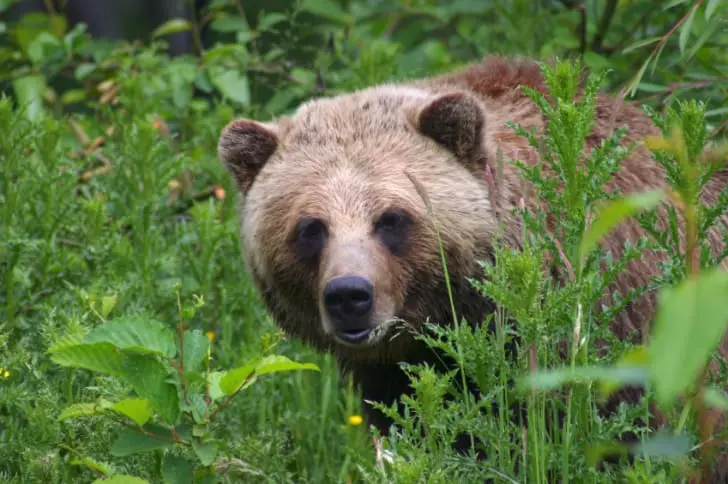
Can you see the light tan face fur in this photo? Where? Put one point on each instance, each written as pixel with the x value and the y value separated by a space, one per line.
pixel 348 163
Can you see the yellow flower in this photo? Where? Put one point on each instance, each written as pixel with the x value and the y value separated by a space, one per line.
pixel 355 420
pixel 211 336
pixel 6 374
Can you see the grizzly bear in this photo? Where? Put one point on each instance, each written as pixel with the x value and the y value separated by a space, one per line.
pixel 336 233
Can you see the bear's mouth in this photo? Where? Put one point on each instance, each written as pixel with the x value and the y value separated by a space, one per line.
pixel 354 337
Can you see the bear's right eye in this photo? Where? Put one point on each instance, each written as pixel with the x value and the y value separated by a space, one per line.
pixel 311 236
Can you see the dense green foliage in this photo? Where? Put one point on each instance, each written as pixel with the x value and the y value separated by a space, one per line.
pixel 119 248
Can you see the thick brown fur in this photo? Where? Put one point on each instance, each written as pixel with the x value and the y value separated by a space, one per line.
pixel 349 158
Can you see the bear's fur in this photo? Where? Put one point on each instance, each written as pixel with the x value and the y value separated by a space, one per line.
pixel 335 190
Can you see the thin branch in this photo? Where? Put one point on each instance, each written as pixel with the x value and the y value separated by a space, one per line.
pixel 609 9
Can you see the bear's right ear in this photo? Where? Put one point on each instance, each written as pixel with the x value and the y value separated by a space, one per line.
pixel 244 147
pixel 455 121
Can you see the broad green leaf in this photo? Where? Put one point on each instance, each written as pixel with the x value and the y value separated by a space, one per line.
pixel 139 334
pixel 129 441
pixel 43 43
pixel 269 20
pixel 691 320
pixel 73 96
pixel 615 213
pixel 176 470
pixel 122 479
pixel 29 91
pixel 547 380
pixel 82 410
pixel 328 9
pixel 136 409
pixel 232 85
pixel 172 26
pixel 196 344
pixel 213 382
pixel 150 379
pixel 277 363
pixel 99 357
pixel 716 398
pixel 205 452
pixel 245 375
pixel 232 380
pixel 637 357
pixel 107 304
pixel 229 23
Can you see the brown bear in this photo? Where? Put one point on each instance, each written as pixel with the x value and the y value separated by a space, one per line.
pixel 336 233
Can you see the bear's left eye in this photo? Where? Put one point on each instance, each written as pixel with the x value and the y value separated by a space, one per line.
pixel 393 230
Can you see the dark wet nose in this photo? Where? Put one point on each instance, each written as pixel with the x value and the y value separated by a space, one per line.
pixel 348 300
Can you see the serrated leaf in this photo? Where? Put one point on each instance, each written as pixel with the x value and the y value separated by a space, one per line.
pixel 614 213
pixel 138 334
pixel 99 357
pixel 196 344
pixel 244 376
pixel 232 85
pixel 129 441
pixel 82 410
pixel 205 452
pixel 149 377
pixel 687 28
pixel 691 320
pixel 122 479
pixel 176 470
pixel 136 409
pixel 172 26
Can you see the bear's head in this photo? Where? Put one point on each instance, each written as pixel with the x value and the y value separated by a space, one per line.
pixel 349 205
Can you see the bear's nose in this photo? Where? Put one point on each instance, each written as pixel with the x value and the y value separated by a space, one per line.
pixel 348 300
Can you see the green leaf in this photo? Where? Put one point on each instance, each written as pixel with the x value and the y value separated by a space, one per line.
pixel 547 380
pixel 711 7
pixel 691 320
pixel 687 28
pixel 213 382
pixel 73 96
pixel 176 470
pixel 615 213
pixel 101 467
pixel 229 23
pixel 122 479
pixel 245 375
pixel 136 409
pixel 83 410
pixel 233 85
pixel 328 9
pixel 640 43
pixel 138 334
pixel 664 446
pixel 129 441
pixel 270 20
pixel 205 452
pixel 150 379
pixel 107 304
pixel 44 42
pixel 99 357
pixel 29 91
pixel 196 344
pixel 172 26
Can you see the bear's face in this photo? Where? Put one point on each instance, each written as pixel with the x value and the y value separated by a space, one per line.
pixel 335 221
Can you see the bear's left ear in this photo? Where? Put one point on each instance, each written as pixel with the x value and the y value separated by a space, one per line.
pixel 244 147
pixel 455 121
